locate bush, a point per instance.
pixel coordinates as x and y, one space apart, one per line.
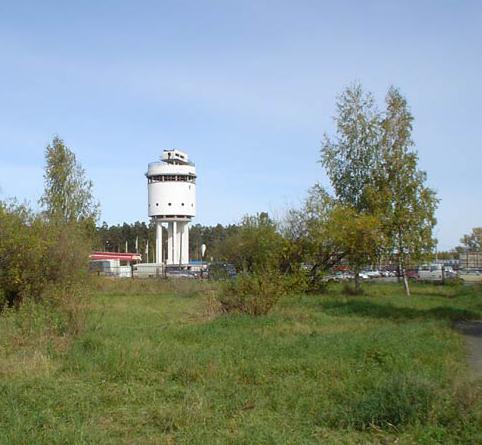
36 254
22 250
297 281
43 262
253 294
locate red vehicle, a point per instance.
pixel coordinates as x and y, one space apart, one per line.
412 274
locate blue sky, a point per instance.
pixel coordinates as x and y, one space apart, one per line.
247 88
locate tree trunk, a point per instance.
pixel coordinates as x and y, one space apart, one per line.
405 279
357 280
405 284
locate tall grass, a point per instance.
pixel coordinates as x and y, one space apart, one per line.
154 286
318 369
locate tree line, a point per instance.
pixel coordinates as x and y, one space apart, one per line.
140 237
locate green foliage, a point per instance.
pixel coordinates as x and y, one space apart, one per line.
37 255
352 157
138 234
252 294
325 232
42 262
307 230
405 204
257 246
373 170
212 236
68 195
23 247
473 241
114 238
357 235
43 257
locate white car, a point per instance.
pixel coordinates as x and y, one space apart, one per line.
430 272
373 273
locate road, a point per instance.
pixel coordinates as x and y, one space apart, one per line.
472 332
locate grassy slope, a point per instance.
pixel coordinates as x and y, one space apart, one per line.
319 369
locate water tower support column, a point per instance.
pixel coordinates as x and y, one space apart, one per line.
158 242
175 244
169 243
184 229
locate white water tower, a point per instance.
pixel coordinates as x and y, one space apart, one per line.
172 199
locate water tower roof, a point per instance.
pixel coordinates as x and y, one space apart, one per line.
175 156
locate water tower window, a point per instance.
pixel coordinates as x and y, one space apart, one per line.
182 204
169 204
157 204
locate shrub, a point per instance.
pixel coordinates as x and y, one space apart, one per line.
43 262
36 253
253 294
317 282
22 248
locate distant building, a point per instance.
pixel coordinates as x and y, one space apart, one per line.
455 263
470 260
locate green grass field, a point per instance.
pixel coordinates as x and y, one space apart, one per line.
157 367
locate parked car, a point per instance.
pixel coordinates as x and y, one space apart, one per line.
372 273
450 273
471 276
388 273
221 271
180 273
338 277
431 272
412 274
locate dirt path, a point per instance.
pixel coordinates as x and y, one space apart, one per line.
472 332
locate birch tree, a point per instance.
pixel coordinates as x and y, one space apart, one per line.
68 195
405 203
351 157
